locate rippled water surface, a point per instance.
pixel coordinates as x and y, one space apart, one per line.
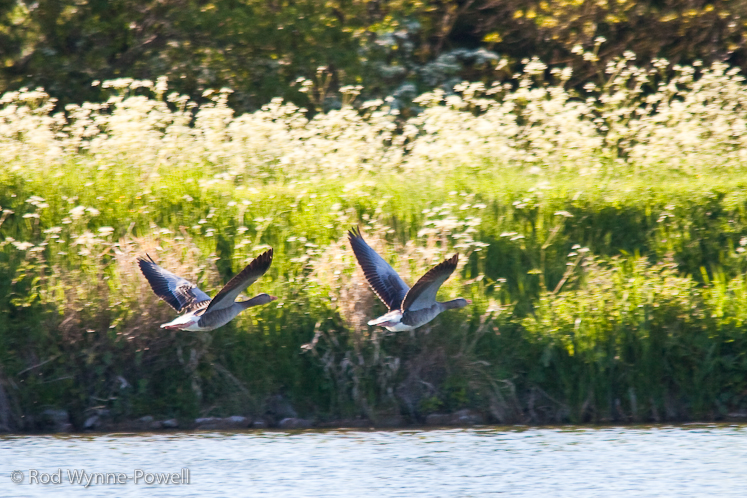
702 460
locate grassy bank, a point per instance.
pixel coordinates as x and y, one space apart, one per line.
605 261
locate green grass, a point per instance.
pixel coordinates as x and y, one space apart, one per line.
648 324
603 240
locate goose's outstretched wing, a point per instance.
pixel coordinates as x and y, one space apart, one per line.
382 278
246 277
423 293
178 292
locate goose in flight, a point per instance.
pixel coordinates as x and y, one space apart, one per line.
408 308
201 312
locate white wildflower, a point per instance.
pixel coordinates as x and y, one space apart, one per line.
22 246
77 212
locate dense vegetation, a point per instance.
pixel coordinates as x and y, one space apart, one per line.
401 48
604 242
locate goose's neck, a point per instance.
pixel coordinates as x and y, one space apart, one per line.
256 301
459 302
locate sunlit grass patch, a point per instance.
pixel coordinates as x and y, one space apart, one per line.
602 241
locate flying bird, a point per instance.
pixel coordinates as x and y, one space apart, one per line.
408 308
200 312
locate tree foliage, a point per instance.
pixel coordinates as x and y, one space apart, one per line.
260 48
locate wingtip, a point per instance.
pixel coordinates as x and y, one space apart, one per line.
452 261
265 257
262 261
355 232
143 263
146 259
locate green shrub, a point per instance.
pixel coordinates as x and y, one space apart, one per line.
602 240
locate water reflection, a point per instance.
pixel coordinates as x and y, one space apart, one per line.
694 460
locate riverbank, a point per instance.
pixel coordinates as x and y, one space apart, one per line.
56 422
621 304
607 275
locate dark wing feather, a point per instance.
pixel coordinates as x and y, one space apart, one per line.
200 308
423 293
246 277
179 293
382 278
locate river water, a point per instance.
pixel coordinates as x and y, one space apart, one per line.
692 460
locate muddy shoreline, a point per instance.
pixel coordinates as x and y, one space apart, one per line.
461 419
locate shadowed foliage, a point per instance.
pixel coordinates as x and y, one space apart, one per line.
391 47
